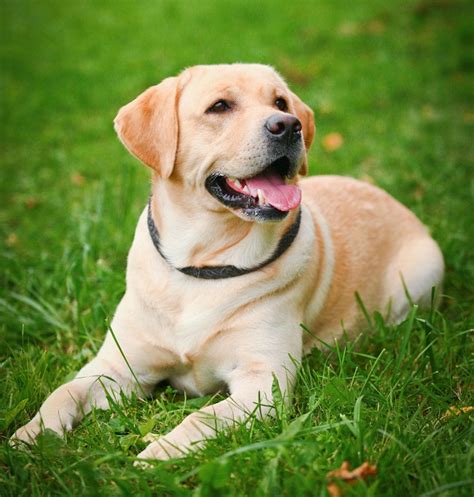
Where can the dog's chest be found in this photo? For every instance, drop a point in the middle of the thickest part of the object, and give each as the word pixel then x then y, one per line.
pixel 190 337
pixel 192 321
pixel 184 315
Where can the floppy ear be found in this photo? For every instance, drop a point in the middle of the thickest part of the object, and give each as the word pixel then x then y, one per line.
pixel 148 126
pixel 306 116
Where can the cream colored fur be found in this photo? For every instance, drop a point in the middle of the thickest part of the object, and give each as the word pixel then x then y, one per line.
pixel 235 334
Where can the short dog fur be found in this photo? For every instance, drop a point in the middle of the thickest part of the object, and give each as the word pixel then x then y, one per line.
pixel 210 135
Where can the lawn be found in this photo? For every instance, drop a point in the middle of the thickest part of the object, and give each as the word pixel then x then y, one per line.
pixel 393 80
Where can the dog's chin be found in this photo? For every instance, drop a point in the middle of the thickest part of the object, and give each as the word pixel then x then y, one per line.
pixel 264 197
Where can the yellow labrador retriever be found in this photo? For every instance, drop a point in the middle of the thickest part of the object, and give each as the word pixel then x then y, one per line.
pixel 232 253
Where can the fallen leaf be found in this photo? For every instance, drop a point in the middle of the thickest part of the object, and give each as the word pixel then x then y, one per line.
pixel 332 141
pixel 31 202
pixel 78 179
pixel 376 27
pixel 346 475
pixel 349 29
pixel 419 192
pixel 11 240
pixel 456 411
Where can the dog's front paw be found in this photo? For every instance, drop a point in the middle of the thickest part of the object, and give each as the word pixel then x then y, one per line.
pixel 159 450
pixel 187 437
pixel 26 434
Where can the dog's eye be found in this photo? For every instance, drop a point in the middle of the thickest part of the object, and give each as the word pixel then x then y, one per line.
pixel 219 106
pixel 281 104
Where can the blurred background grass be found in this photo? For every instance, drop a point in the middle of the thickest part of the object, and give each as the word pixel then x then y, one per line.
pixel 393 80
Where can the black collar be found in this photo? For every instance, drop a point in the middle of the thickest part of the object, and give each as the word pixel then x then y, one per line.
pixel 220 272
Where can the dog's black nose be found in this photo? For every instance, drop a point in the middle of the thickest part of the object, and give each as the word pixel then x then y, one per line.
pixel 283 126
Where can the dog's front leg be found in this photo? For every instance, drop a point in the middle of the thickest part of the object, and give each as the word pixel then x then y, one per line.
pixel 250 392
pixel 99 380
pixel 125 363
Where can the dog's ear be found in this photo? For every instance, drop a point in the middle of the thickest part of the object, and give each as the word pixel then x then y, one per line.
pixel 148 126
pixel 306 116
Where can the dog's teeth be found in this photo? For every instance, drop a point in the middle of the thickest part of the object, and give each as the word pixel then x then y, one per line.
pixel 261 197
pixel 246 189
pixel 237 183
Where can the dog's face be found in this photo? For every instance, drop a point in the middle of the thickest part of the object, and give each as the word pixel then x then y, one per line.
pixel 231 134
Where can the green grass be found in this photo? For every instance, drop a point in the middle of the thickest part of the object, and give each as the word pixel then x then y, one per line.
pixel 393 78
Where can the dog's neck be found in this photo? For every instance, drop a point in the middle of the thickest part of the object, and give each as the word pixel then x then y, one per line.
pixel 192 234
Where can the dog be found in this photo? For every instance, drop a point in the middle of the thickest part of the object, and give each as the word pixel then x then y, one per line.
pixel 233 252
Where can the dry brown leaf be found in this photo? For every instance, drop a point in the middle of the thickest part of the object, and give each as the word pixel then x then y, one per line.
pixel 456 411
pixel 11 240
pixel 332 141
pixel 419 192
pixel 78 179
pixel 345 474
pixel 31 202
pixel 376 27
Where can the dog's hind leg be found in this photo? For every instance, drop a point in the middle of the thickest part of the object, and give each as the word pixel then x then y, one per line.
pixel 417 268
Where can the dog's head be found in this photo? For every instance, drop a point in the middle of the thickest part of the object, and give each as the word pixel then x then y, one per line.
pixel 231 134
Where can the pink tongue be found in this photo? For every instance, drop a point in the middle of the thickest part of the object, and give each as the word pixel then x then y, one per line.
pixel 283 197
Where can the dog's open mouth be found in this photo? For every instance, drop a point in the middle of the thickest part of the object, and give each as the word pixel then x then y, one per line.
pixel 266 196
